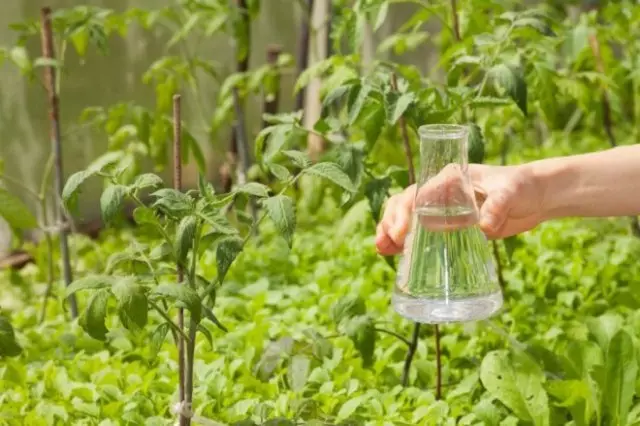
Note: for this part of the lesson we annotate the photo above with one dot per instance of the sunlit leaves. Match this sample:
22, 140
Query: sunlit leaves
172, 202
620, 378
90, 282
72, 187
131, 303
253, 188
183, 295
185, 234
281, 211
517, 381
15, 212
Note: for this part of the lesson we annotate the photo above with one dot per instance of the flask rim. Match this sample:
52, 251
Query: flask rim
443, 131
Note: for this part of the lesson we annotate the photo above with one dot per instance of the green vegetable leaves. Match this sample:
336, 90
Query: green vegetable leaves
517, 381
332, 172
9, 347
111, 201
621, 371
92, 319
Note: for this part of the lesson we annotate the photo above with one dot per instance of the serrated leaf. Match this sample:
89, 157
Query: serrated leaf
298, 158
228, 249
185, 234
358, 104
298, 372
280, 172
71, 187
172, 201
332, 172
253, 188
476, 144
376, 192
132, 304
489, 101
512, 80
147, 180
362, 332
281, 211
91, 282
157, 338
144, 215
184, 295
535, 23
620, 378
402, 103
372, 120
111, 201
92, 318
348, 307
515, 380
15, 212
9, 347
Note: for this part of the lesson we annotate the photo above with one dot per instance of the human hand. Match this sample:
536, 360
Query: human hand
510, 200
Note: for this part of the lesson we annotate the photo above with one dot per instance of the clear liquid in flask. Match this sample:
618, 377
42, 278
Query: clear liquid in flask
446, 273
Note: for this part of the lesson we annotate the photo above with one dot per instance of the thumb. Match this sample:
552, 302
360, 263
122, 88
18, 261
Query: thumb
494, 212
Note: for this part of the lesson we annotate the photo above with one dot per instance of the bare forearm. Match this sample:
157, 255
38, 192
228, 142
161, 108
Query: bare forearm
605, 183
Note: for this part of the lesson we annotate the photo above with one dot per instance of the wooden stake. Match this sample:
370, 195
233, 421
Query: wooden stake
54, 134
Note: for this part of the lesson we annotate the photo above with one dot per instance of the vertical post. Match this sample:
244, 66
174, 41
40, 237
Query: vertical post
177, 185
271, 100
303, 49
54, 132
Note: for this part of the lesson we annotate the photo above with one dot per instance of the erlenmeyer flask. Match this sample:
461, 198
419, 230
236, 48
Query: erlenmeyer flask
446, 273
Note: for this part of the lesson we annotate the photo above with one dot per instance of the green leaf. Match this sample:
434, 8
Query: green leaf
91, 282
489, 101
349, 408
515, 380
204, 330
512, 81
208, 313
535, 23
157, 338
71, 187
476, 144
185, 234
172, 201
9, 347
362, 332
402, 103
15, 212
298, 372
253, 188
20, 57
228, 249
184, 295
132, 305
348, 307
111, 201
92, 318
356, 108
376, 192
281, 211
298, 158
332, 172
280, 172
619, 385
372, 120
147, 180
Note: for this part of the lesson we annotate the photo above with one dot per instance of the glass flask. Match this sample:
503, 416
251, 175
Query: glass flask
446, 272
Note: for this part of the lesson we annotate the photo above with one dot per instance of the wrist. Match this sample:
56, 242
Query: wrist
557, 181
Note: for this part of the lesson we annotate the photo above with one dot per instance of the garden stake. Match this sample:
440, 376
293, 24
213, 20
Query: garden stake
177, 185
242, 148
54, 119
271, 100
303, 50
606, 115
416, 330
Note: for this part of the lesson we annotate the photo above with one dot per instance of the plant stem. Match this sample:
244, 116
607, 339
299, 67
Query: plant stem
177, 184
405, 136
54, 118
394, 334
413, 346
456, 24
271, 100
45, 221
242, 147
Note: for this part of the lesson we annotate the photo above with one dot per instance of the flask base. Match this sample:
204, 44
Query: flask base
440, 311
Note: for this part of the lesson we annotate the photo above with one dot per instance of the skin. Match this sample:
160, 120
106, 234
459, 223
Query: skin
515, 199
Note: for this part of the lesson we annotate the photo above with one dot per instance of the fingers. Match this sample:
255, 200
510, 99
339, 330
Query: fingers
494, 212
393, 227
